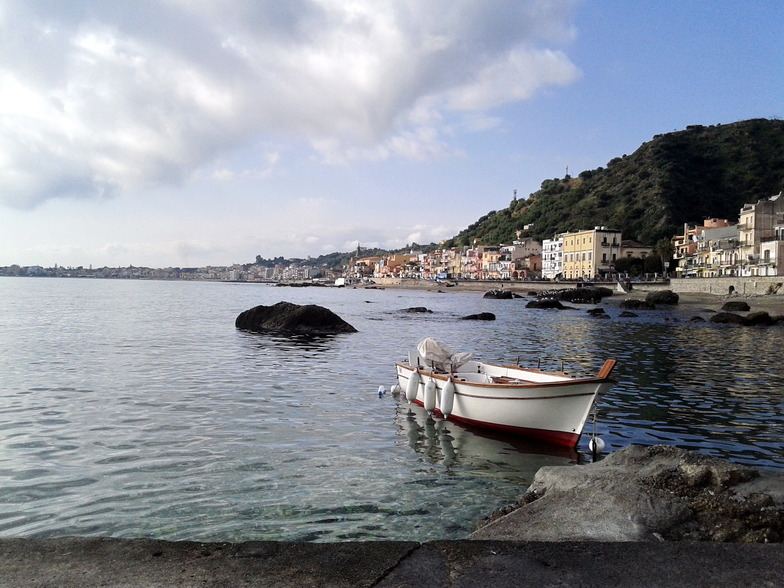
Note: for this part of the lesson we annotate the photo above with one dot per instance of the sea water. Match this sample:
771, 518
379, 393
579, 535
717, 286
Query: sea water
136, 409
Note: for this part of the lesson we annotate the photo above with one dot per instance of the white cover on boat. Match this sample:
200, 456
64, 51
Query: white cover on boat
438, 354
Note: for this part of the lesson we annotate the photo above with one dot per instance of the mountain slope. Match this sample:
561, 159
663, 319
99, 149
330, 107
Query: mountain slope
679, 177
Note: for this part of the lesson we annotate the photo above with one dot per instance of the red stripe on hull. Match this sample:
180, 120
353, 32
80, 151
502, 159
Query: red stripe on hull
560, 438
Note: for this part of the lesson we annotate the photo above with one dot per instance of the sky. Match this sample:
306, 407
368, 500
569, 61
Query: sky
185, 133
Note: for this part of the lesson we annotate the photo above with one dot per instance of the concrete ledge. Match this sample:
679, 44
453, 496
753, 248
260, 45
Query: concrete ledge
138, 563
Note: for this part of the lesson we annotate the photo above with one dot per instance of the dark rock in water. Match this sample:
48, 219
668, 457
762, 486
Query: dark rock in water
662, 297
696, 319
596, 311
588, 295
482, 316
309, 319
656, 493
736, 306
728, 318
533, 293
760, 318
546, 303
416, 309
501, 294
634, 304
627, 314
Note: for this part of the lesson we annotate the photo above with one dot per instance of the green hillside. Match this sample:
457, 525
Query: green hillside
685, 176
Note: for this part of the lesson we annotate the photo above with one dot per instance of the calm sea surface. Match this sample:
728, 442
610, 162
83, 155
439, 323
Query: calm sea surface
136, 409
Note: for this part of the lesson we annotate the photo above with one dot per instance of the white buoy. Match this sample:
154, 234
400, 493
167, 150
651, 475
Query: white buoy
596, 445
413, 386
430, 396
447, 398
381, 390
396, 389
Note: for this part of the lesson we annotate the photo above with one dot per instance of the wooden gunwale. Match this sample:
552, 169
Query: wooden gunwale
521, 384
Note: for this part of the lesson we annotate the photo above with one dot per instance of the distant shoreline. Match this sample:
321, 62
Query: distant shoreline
773, 303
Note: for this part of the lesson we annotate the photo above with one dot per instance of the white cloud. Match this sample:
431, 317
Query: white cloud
101, 97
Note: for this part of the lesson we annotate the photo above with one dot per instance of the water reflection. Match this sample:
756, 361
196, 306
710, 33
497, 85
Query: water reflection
714, 389
452, 445
298, 342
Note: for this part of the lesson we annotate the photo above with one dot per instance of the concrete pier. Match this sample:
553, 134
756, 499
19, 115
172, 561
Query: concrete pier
143, 563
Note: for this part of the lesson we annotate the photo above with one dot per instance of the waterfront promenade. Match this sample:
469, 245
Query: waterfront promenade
72, 563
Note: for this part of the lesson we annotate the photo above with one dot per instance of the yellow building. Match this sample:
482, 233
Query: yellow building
591, 253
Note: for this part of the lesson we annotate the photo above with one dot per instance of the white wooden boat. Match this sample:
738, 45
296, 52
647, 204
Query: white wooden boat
551, 406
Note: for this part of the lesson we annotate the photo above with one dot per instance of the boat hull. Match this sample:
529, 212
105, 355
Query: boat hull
554, 410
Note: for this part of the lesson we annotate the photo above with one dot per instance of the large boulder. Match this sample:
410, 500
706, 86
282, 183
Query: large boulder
635, 304
662, 297
480, 316
287, 317
546, 303
728, 318
760, 318
586, 295
501, 294
736, 306
646, 494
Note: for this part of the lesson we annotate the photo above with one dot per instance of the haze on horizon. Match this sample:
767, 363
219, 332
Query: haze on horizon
191, 132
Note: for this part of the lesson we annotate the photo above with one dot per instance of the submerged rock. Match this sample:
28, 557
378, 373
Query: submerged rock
728, 318
481, 316
646, 494
546, 303
587, 295
662, 297
415, 309
736, 306
634, 304
287, 317
501, 294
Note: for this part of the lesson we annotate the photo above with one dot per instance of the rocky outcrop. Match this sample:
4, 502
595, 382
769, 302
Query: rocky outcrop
728, 318
501, 294
587, 295
416, 309
481, 316
662, 297
760, 318
657, 493
546, 303
287, 317
736, 306
634, 304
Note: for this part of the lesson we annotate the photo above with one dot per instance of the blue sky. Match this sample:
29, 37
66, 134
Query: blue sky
189, 132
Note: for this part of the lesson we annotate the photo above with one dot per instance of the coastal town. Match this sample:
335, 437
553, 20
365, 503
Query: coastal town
752, 246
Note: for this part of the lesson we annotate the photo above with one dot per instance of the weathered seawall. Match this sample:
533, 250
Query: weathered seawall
750, 286
753, 286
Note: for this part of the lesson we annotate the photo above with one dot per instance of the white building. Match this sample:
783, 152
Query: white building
552, 258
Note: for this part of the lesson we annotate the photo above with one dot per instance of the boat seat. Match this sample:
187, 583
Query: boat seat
506, 380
